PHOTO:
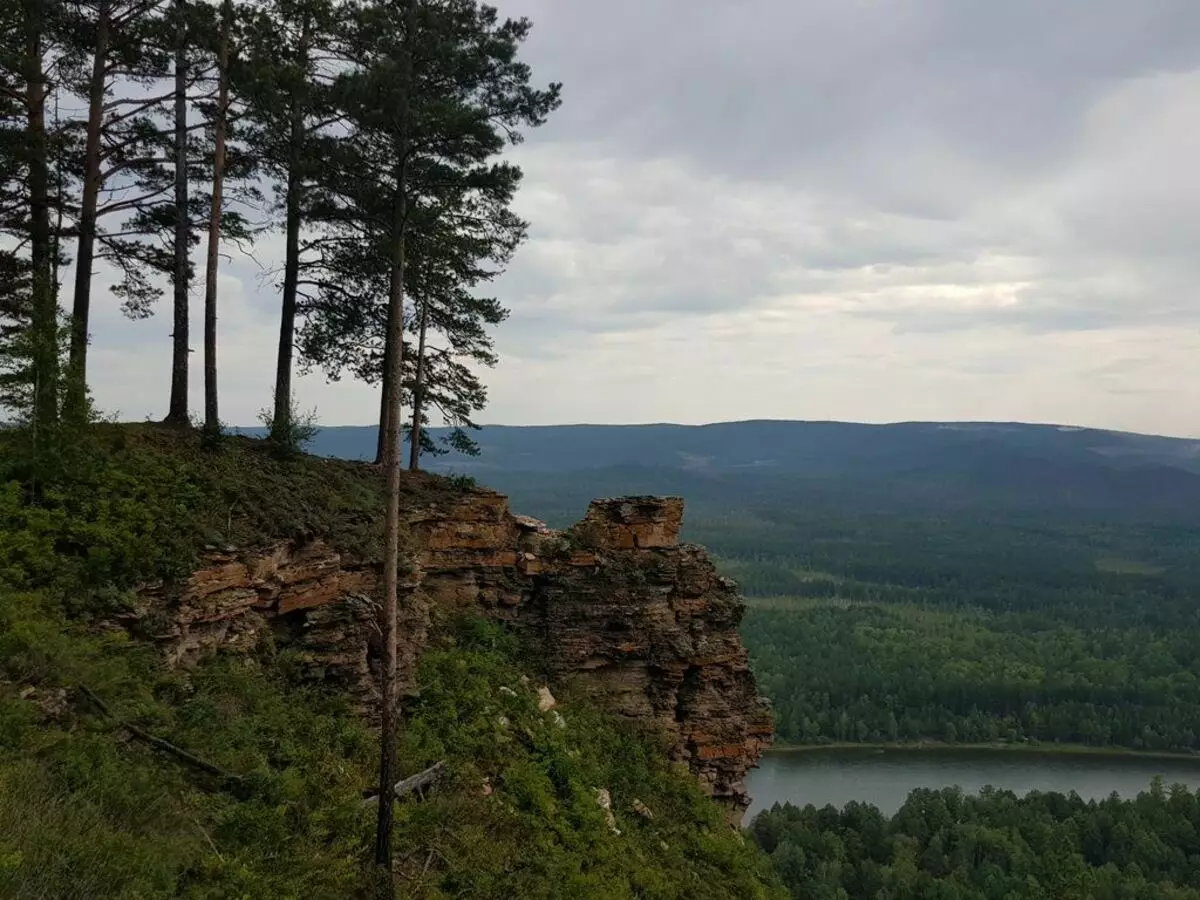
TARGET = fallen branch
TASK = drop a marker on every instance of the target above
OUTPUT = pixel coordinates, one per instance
(417, 782)
(178, 752)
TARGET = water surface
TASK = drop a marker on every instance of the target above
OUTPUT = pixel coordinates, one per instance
(885, 777)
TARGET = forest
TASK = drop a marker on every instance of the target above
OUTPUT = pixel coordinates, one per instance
(949, 630)
(1078, 635)
(944, 845)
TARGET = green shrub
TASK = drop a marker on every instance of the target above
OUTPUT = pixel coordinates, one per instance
(540, 832)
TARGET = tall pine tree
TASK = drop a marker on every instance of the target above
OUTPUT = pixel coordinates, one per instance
(119, 71)
(294, 50)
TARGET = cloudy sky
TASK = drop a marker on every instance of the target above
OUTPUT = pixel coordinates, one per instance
(871, 210)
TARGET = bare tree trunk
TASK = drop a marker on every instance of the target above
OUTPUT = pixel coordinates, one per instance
(44, 313)
(385, 878)
(212, 420)
(177, 412)
(76, 386)
(414, 434)
(281, 421)
(385, 413)
(391, 551)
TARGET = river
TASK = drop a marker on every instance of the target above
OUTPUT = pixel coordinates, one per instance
(884, 778)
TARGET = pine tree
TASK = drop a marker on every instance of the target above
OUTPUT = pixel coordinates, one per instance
(448, 256)
(385, 94)
(112, 42)
(471, 237)
(212, 421)
(472, 96)
(177, 407)
(293, 50)
(27, 151)
(438, 93)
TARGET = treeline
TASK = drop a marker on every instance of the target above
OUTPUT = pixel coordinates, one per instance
(880, 674)
(943, 845)
(366, 135)
(1083, 572)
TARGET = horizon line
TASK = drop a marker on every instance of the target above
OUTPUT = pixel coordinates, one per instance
(759, 421)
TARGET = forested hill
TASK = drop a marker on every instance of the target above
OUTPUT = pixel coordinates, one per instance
(901, 467)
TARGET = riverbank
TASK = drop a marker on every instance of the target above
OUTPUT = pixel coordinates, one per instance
(885, 775)
(1036, 747)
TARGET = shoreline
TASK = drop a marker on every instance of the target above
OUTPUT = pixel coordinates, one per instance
(1046, 748)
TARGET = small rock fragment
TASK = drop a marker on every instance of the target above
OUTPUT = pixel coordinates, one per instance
(604, 801)
(507, 691)
(546, 701)
(642, 809)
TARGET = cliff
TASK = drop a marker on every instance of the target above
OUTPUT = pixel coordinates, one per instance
(615, 608)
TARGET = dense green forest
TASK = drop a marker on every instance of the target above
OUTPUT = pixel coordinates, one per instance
(942, 845)
(972, 631)
(885, 673)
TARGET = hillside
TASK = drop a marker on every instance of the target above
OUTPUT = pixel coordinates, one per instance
(219, 600)
(902, 467)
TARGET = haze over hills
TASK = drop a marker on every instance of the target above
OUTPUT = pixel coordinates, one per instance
(905, 466)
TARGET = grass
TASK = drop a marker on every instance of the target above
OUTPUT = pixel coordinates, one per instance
(143, 501)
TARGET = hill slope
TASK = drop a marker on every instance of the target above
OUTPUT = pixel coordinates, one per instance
(901, 467)
(90, 809)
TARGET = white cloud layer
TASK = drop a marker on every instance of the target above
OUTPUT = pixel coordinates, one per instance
(885, 210)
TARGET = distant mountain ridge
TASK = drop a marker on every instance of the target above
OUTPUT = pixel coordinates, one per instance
(951, 466)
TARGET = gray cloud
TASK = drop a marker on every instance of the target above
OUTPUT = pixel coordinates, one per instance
(859, 209)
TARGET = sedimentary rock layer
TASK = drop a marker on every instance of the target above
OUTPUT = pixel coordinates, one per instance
(616, 606)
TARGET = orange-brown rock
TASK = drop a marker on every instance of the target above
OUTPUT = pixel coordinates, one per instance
(616, 607)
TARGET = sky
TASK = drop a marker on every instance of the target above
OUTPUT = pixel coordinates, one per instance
(862, 210)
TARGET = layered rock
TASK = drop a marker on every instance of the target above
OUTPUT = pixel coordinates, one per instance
(615, 606)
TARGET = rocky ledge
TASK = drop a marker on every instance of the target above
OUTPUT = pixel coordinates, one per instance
(615, 606)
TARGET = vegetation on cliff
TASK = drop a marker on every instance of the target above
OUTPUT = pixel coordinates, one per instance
(89, 810)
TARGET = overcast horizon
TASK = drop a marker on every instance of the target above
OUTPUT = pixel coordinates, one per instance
(850, 210)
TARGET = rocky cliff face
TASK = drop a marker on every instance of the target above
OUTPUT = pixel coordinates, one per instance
(615, 606)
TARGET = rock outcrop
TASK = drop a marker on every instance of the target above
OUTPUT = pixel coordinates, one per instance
(616, 606)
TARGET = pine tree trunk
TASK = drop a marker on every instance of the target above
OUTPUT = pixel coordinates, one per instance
(391, 551)
(385, 417)
(76, 386)
(414, 452)
(212, 420)
(177, 412)
(385, 878)
(44, 312)
(281, 421)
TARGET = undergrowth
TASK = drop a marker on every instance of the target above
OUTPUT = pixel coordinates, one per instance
(88, 811)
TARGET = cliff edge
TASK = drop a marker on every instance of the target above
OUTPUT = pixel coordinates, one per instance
(614, 607)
